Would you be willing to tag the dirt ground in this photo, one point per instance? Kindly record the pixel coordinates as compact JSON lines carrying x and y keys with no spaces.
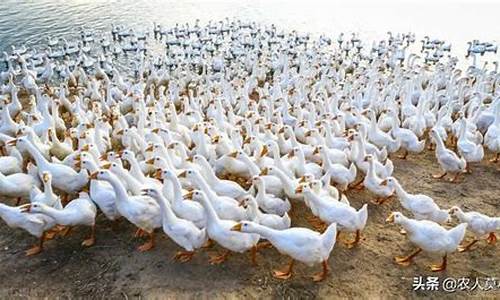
{"x":114,"y":269}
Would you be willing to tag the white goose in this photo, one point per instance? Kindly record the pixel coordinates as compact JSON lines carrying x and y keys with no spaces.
{"x":226,"y":208}
{"x":37,"y":225}
{"x":101,"y":192}
{"x":189,"y":210}
{"x":17,"y":186}
{"x":141,"y":211}
{"x":421,"y":206}
{"x":80,"y":211}
{"x":447,"y":159}
{"x":430,"y":237}
{"x":221,"y":187}
{"x":300,"y":244}
{"x":220,"y":231}
{"x":183,"y":232}
{"x":269,"y":220}
{"x":64,"y":178}
{"x":346,"y":217}
{"x":479,"y":224}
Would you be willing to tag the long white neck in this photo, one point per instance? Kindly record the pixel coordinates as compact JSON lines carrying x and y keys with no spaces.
{"x":263,"y":231}
{"x":261,"y":188}
{"x":177,"y":189}
{"x":5,"y":210}
{"x":284,"y":178}
{"x":120,"y":191}
{"x":47,"y":189}
{"x":203,"y":185}
{"x":439,"y":143}
{"x":37,"y":156}
{"x":253,"y":209}
{"x":209,"y":171}
{"x":402,"y":194}
{"x":251,"y":165}
{"x":58,"y":215}
{"x":165,"y":209}
{"x":91,"y":166}
{"x":210,"y":211}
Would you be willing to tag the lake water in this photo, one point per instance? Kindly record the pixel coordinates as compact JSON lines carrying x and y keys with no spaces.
{"x":31,"y":22}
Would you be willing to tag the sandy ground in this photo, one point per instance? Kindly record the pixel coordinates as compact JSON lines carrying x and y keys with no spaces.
{"x":113,"y":268}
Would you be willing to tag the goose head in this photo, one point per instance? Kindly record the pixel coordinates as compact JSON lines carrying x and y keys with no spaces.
{"x":395,"y":217}
{"x":303,"y":188}
{"x":245,"y":226}
{"x":33,"y":208}
{"x":46,"y":177}
{"x":389,"y":181}
{"x":455,"y":211}
{"x":152,"y":192}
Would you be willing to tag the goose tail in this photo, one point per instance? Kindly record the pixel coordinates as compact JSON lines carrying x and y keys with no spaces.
{"x":329,"y":237}
{"x":286,"y":220}
{"x":352,"y":172}
{"x":362,"y":215}
{"x":457,"y":233}
{"x":389,"y":168}
{"x":420,"y":146}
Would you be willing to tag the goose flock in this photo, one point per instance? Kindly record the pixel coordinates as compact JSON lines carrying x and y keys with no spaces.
{"x":218,"y":131}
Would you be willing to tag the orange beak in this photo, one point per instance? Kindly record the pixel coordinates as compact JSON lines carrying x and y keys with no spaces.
{"x":264,"y":151}
{"x":390,"y":219}
{"x":189,"y":195}
{"x":25,"y":208}
{"x":236,"y":227}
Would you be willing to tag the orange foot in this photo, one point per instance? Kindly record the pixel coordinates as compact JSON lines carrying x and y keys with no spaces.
{"x":34,"y":250}
{"x":218,"y":259}
{"x":352,"y":244}
{"x":492,"y":238}
{"x":50,"y":235}
{"x":438,"y":268}
{"x":88,"y":242}
{"x":319,"y":276}
{"x":402,"y":261}
{"x":184,"y":256}
{"x":65,"y":231}
{"x":139,"y":233}
{"x":437,"y":176}
{"x":146,"y":246}
{"x":284,"y":275}
{"x":209,"y":243}
{"x":265,"y":244}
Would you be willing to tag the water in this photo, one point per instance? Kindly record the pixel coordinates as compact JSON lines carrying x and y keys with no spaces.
{"x":31,"y":22}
